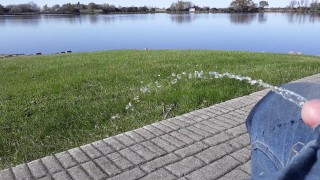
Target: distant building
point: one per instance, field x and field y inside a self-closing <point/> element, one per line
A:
<point x="192" y="9"/>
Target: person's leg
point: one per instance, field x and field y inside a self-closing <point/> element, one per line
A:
<point x="277" y="131"/>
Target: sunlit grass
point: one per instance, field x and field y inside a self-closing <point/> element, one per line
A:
<point x="56" y="102"/>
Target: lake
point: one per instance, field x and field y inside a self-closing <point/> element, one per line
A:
<point x="259" y="32"/>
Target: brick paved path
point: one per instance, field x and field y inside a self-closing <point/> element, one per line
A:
<point x="211" y="143"/>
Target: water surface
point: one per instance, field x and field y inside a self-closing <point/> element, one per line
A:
<point x="260" y="32"/>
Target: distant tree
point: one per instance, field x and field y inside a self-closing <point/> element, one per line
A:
<point x="91" y="7"/>
<point x="1" y="9"/>
<point x="293" y="4"/>
<point x="263" y="4"/>
<point x="181" y="6"/>
<point x="45" y="8"/>
<point x="143" y="9"/>
<point x="69" y="8"/>
<point x="242" y="5"/>
<point x="152" y="10"/>
<point x="132" y="9"/>
<point x="107" y="8"/>
<point x="315" y="6"/>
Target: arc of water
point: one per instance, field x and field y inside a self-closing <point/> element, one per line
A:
<point x="285" y="93"/>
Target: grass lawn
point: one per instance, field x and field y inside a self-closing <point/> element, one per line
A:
<point x="53" y="103"/>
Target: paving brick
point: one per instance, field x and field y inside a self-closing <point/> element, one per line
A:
<point x="215" y="169"/>
<point x="206" y="128"/>
<point x="79" y="155"/>
<point x="238" y="130"/>
<point x="190" y="134"/>
<point x="213" y="153"/>
<point x="37" y="169"/>
<point x="144" y="133"/>
<point x="154" y="148"/>
<point x="220" y="123"/>
<point x="103" y="147"/>
<point x="179" y="122"/>
<point x="159" y="162"/>
<point x="243" y="155"/>
<point x="163" y="127"/>
<point x="224" y="107"/>
<point x="132" y="174"/>
<point x="107" y="166"/>
<point x="217" y="139"/>
<point x="6" y="175"/>
<point x="202" y="116"/>
<point x="240" y="142"/>
<point x="218" y="109"/>
<point x="213" y="110"/>
<point x="115" y="144"/>
<point x="66" y="160"/>
<point x="246" y="167"/>
<point x="124" y="139"/>
<point x="191" y="149"/>
<point x="160" y="174"/>
<point x="131" y="156"/>
<point x="93" y="170"/>
<point x="47" y="177"/>
<point x="135" y="136"/>
<point x="234" y="175"/>
<point x="143" y="152"/>
<point x="198" y="131"/>
<point x="164" y="144"/>
<point x="154" y="130"/>
<point x="235" y="118"/>
<point x="182" y="137"/>
<point x="21" y="172"/>
<point x="170" y="124"/>
<point x="213" y="125"/>
<point x="91" y="151"/>
<point x="186" y="119"/>
<point x="183" y="178"/>
<point x="52" y="164"/>
<point x="207" y="112"/>
<point x="62" y="175"/>
<point x="225" y="119"/>
<point x="78" y="173"/>
<point x="173" y="140"/>
<point x="120" y="161"/>
<point x="184" y="166"/>
<point x="193" y="117"/>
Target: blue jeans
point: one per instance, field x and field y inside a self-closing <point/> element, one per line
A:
<point x="283" y="147"/>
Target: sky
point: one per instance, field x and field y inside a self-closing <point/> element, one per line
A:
<point x="154" y="3"/>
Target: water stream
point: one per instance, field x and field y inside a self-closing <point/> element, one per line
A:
<point x="285" y="93"/>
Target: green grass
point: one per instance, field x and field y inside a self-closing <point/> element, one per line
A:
<point x="56" y="102"/>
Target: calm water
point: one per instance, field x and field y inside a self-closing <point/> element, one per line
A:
<point x="269" y="32"/>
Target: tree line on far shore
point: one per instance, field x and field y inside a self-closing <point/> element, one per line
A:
<point x="179" y="6"/>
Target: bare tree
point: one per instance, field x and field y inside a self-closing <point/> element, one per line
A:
<point x="263" y="4"/>
<point x="293" y="3"/>
<point x="242" y="5"/>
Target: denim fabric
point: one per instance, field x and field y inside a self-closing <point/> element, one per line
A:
<point x="279" y="137"/>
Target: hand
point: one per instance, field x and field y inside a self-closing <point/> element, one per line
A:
<point x="310" y="113"/>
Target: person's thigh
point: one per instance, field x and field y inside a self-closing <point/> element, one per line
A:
<point x="276" y="129"/>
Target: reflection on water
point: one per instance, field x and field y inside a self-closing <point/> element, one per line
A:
<point x="243" y="18"/>
<point x="26" y="21"/>
<point x="182" y="18"/>
<point x="56" y="33"/>
<point x="237" y="19"/>
<point x="302" y="18"/>
<point x="262" y="18"/>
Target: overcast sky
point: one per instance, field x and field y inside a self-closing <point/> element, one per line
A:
<point x="155" y="3"/>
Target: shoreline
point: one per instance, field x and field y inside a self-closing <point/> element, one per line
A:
<point x="227" y="11"/>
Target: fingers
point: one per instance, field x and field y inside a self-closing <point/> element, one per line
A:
<point x="310" y="113"/>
